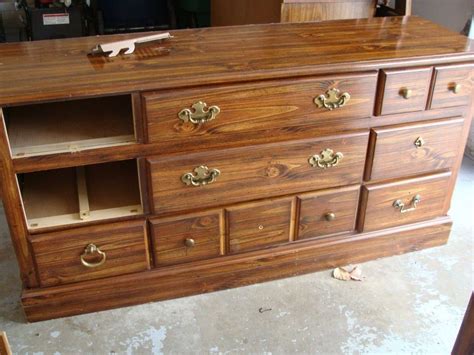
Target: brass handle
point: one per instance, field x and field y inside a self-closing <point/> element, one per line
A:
<point x="92" y="249"/>
<point x="332" y="100"/>
<point x="189" y="243"/>
<point x="199" y="113"/>
<point x="326" y="159"/>
<point x="202" y="176"/>
<point x="406" y="93"/>
<point x="419" y="142"/>
<point x="400" y="205"/>
<point x="330" y="216"/>
<point x="456" y="88"/>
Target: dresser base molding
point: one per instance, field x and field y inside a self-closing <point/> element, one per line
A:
<point x="232" y="271"/>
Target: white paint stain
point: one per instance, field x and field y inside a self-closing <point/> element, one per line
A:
<point x="55" y="334"/>
<point x="151" y="337"/>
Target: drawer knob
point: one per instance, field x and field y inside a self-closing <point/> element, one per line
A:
<point x="189" y="243"/>
<point x="199" y="113"/>
<point x="419" y="142"/>
<point x="330" y="216"/>
<point x="201" y="176"/>
<point x="332" y="100"/>
<point x="90" y="250"/>
<point x="400" y="205"/>
<point x="457" y="88"/>
<point x="406" y="93"/>
<point x="326" y="159"/>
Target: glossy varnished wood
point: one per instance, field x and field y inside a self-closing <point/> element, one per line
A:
<point x="57" y="255"/>
<point x="255" y="172"/>
<point x="234" y="271"/>
<point x="258" y="110"/>
<point x="377" y="201"/>
<point x="395" y="153"/>
<point x="208" y="56"/>
<point x="315" y="208"/>
<point x="445" y="80"/>
<point x="170" y="235"/>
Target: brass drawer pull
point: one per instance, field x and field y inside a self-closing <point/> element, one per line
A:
<point x="400" y="205"/>
<point x="92" y="249"/>
<point x="330" y="216"/>
<point x="419" y="142"/>
<point x="406" y="93"/>
<point x="199" y="113"/>
<point x="326" y="159"/>
<point x="331" y="100"/>
<point x="202" y="176"/>
<point x="189" y="243"/>
<point x="456" y="88"/>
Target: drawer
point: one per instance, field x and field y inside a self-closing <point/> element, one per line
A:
<point x="453" y="86"/>
<point x="403" y="91"/>
<point x="258" y="225"/>
<point x="256" y="111"/>
<point x="328" y="212"/>
<point x="196" y="181"/>
<point x="90" y="253"/>
<point x="189" y="238"/>
<point x="403" y="202"/>
<point x="414" y="149"/>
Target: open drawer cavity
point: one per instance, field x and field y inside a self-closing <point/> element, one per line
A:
<point x="69" y="126"/>
<point x="82" y="194"/>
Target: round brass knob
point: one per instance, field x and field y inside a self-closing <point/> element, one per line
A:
<point x="330" y="216"/>
<point x="189" y="242"/>
<point x="406" y="93"/>
<point x="457" y="88"/>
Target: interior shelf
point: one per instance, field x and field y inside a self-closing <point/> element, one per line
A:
<point x="69" y="126"/>
<point x="77" y="195"/>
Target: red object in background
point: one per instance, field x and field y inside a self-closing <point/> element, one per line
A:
<point x="46" y="2"/>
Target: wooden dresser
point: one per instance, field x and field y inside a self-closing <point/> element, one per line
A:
<point x="227" y="156"/>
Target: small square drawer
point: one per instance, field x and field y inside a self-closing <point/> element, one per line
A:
<point x="91" y="252"/>
<point x="414" y="149"/>
<point x="453" y="86"/>
<point x="258" y="225"/>
<point x="328" y="212"/>
<point x="403" y="202"/>
<point x="403" y="91"/>
<point x="183" y="239"/>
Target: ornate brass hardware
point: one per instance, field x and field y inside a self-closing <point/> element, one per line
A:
<point x="330" y="216"/>
<point x="400" y="205"/>
<point x="199" y="113"/>
<point x="406" y="93"/>
<point x="189" y="243"/>
<point x="202" y="176"/>
<point x="92" y="249"/>
<point x="326" y="159"/>
<point x="457" y="88"/>
<point x="419" y="142"/>
<point x="331" y="100"/>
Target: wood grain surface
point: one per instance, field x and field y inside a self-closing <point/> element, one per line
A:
<point x="223" y="54"/>
<point x="57" y="254"/>
<point x="445" y="79"/>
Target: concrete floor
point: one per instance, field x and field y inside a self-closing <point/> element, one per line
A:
<point x="407" y="304"/>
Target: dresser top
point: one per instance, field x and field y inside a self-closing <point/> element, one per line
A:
<point x="60" y="69"/>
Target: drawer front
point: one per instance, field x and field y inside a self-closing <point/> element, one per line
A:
<point x="200" y="180"/>
<point x="453" y="86"/>
<point x="403" y="202"/>
<point x="189" y="238"/>
<point x="414" y="149"/>
<point x="257" y="111"/>
<point x="328" y="212"/>
<point x="403" y="91"/>
<point x="258" y="225"/>
<point x="90" y="253"/>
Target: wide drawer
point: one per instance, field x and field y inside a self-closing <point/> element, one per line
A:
<point x="453" y="86"/>
<point x="403" y="202"/>
<point x="200" y="180"/>
<point x="328" y="212"/>
<point x="414" y="149"/>
<point x="257" y="111"/>
<point x="91" y="252"/>
<point x="257" y="225"/>
<point x="183" y="239"/>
